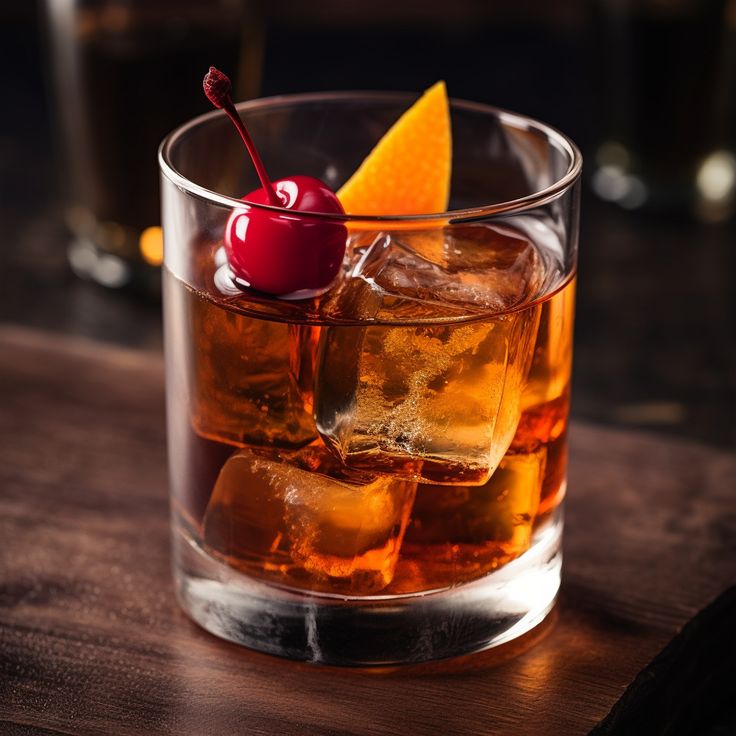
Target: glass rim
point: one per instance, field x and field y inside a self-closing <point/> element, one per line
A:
<point x="517" y="120"/>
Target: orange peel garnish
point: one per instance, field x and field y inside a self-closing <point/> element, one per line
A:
<point x="408" y="172"/>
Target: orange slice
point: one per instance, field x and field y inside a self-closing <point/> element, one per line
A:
<point x="408" y="172"/>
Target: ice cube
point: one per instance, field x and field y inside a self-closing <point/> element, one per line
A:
<point x="545" y="426"/>
<point x="241" y="387"/>
<point x="437" y="402"/>
<point x="302" y="519"/>
<point x="346" y="527"/>
<point x="442" y="274"/>
<point x="355" y="297"/>
<point x="459" y="533"/>
<point x="541" y="424"/>
<point x="474" y="267"/>
<point x="244" y="521"/>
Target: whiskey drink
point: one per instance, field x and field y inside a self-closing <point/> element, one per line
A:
<point x="372" y="446"/>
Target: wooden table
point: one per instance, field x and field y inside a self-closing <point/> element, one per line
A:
<point x="92" y="640"/>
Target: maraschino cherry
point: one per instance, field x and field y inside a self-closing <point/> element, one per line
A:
<point x="278" y="252"/>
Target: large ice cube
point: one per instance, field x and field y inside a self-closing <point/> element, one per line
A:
<point x="438" y="402"/>
<point x="241" y="387"/>
<point x="302" y="519"/>
<point x="459" y="533"/>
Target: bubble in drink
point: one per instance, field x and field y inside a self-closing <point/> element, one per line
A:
<point x="300" y="518"/>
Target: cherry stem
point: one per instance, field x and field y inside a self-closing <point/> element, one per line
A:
<point x="217" y="87"/>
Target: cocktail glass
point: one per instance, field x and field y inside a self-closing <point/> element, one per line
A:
<point x="374" y="474"/>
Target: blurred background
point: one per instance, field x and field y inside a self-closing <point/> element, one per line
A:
<point x="647" y="88"/>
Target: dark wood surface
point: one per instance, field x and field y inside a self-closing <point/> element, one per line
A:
<point x="689" y="689"/>
<point x="92" y="640"/>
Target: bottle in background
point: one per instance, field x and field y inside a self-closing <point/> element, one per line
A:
<point x="110" y="59"/>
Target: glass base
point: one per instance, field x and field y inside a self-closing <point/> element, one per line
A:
<point x="380" y="630"/>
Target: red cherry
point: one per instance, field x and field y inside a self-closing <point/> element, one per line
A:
<point x="272" y="251"/>
<point x="281" y="253"/>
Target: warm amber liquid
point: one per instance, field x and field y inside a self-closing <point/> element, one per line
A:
<point x="366" y="459"/>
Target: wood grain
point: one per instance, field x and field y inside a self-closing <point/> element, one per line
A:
<point x="92" y="640"/>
